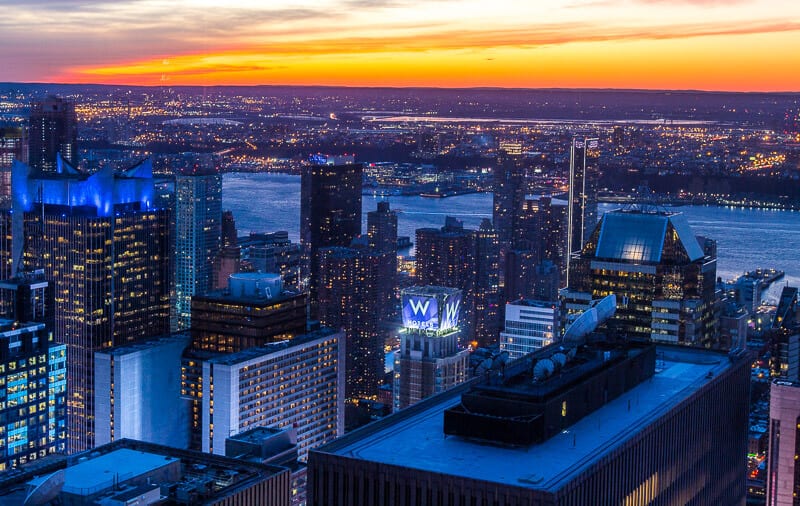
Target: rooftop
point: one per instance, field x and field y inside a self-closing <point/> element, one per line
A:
<point x="415" y="438"/>
<point x="102" y="472"/>
<point x="251" y="353"/>
<point x="639" y="236"/>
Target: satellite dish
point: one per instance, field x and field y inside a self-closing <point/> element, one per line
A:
<point x="543" y="369"/>
<point x="484" y="366"/>
<point x="501" y="359"/>
<point x="606" y="308"/>
<point x="45" y="489"/>
<point x="559" y="359"/>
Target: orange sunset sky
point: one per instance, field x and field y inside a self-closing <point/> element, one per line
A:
<point x="738" y="45"/>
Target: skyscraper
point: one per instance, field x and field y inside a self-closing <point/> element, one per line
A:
<point x="13" y="146"/>
<point x="487" y="284"/>
<point x="603" y="427"/>
<point x="446" y="257"/>
<point x="348" y="299"/>
<point x="510" y="188"/>
<point x="330" y="212"/>
<point x="663" y="281"/>
<point x="106" y="251"/>
<point x="582" y="200"/>
<point x="382" y="239"/>
<point x="430" y="359"/>
<point x="530" y="325"/>
<point x="33" y="372"/>
<point x="53" y="131"/>
<point x="198" y="229"/>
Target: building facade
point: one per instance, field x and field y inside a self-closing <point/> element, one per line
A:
<point x="137" y="393"/>
<point x="653" y="438"/>
<point x="106" y="251"/>
<point x="783" y="469"/>
<point x="430" y="360"/>
<point x="296" y="383"/>
<point x="198" y="231"/>
<point x="53" y="132"/>
<point x="530" y="325"/>
<point x="330" y="214"/>
<point x="382" y="238"/>
<point x="584" y="177"/>
<point x="653" y="263"/>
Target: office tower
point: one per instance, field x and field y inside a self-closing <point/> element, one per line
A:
<point x="133" y="472"/>
<point x="137" y="393"/>
<point x="652" y="262"/>
<point x="530" y="325"/>
<point x="53" y="132"/>
<point x="510" y="188"/>
<point x="295" y="383"/>
<point x="487" y="284"/>
<point x="13" y="146"/>
<point x="198" y="230"/>
<point x="783" y="468"/>
<point x="33" y="372"/>
<point x="253" y="311"/>
<point x="382" y="238"/>
<point x="106" y="251"/>
<point x="348" y="299"/>
<point x="446" y="257"/>
<point x="330" y="214"/>
<point x="430" y="360"/>
<point x="582" y="200"/>
<point x="539" y="243"/>
<point x="228" y="229"/>
<point x="605" y="427"/>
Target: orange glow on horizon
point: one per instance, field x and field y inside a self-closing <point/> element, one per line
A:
<point x="764" y="62"/>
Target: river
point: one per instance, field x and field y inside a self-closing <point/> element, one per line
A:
<point x="746" y="238"/>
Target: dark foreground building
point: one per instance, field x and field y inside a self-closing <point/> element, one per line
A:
<point x="596" y="424"/>
<point x="128" y="472"/>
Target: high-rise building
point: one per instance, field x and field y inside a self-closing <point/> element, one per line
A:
<point x="13" y="146"/>
<point x="539" y="241"/>
<point x="348" y="299"/>
<point x="582" y="200"/>
<point x="137" y="393"/>
<point x="274" y="252"/>
<point x="53" y="132"/>
<point x="106" y="251"/>
<point x="253" y="311"/>
<point x="663" y="281"/>
<point x="296" y="383"/>
<point x="595" y="424"/>
<point x="446" y="257"/>
<point x="33" y="373"/>
<point x="783" y="467"/>
<point x="510" y="188"/>
<point x="382" y="238"/>
<point x="487" y="284"/>
<point x="330" y="214"/>
<point x="198" y="229"/>
<point x="530" y="325"/>
<point x="430" y="359"/>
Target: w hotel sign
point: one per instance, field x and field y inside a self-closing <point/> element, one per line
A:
<point x="431" y="308"/>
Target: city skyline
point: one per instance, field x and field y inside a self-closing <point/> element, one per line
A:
<point x="645" y="44"/>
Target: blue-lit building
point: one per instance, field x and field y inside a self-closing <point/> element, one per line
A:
<point x="105" y="248"/>
<point x="33" y="385"/>
<point x="198" y="236"/>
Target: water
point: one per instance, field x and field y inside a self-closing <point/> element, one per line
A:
<point x="746" y="238"/>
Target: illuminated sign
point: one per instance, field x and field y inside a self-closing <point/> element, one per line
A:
<point x="431" y="311"/>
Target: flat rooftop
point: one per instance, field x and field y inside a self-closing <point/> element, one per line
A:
<point x="415" y="438"/>
<point x="101" y="472"/>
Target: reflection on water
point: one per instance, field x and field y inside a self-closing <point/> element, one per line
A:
<point x="746" y="238"/>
